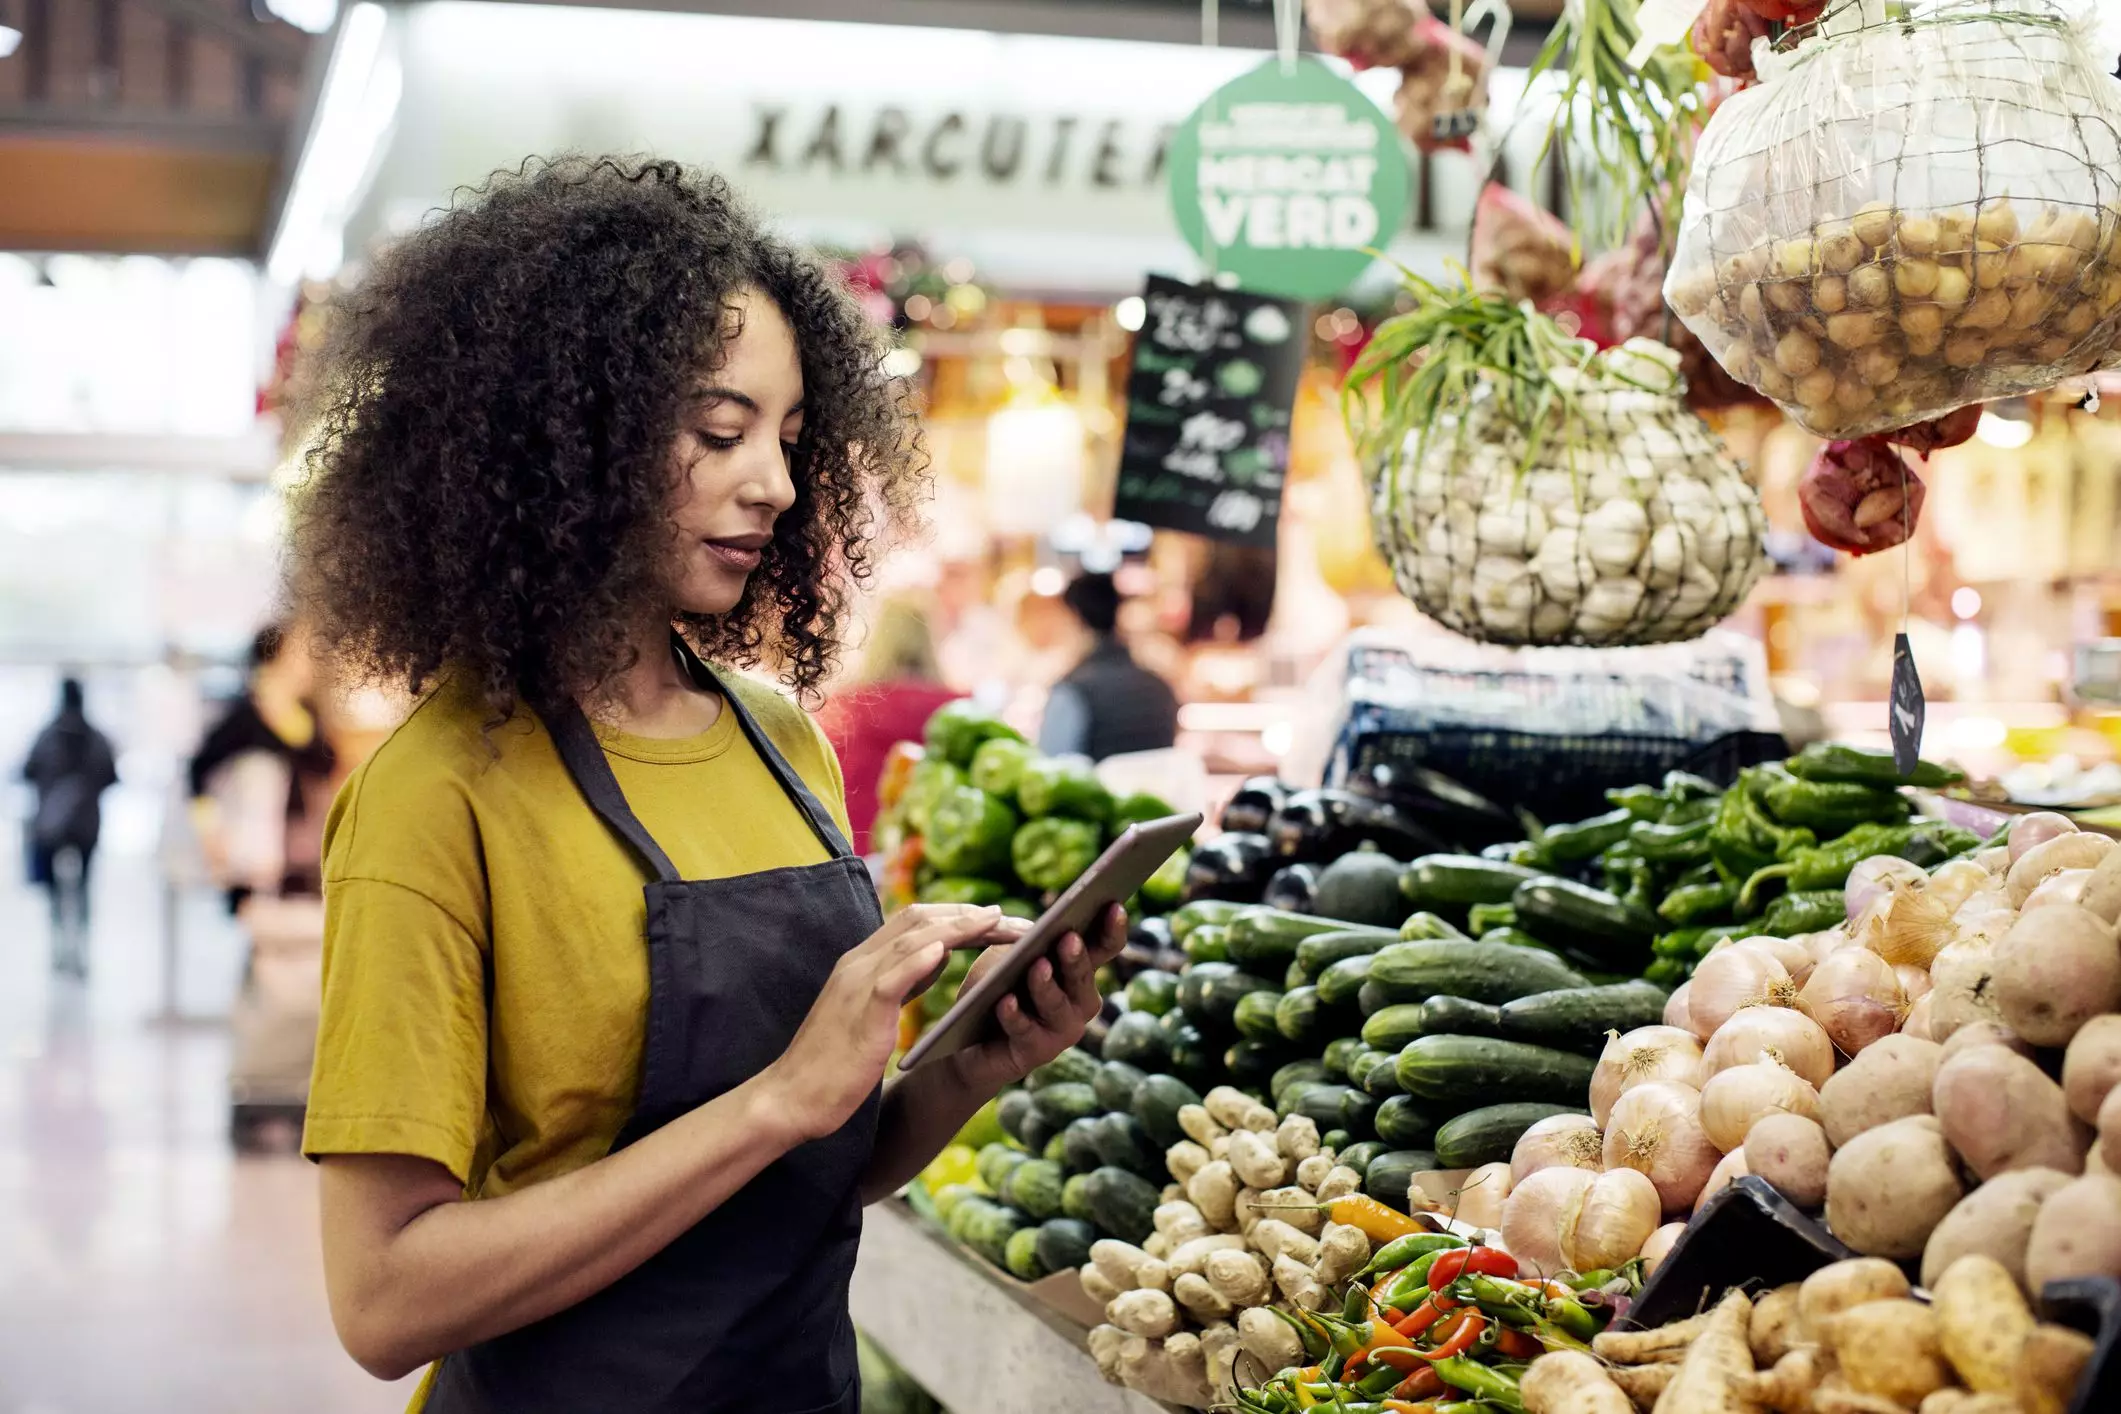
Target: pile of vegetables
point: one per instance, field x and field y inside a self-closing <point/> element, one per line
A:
<point x="1850" y="1339"/>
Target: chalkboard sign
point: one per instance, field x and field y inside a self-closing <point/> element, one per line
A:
<point x="1208" y="404"/>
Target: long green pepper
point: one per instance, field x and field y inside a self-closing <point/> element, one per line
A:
<point x="1402" y="1250"/>
<point x="1465" y="1373"/>
<point x="1690" y="903"/>
<point x="1831" y="761"/>
<point x="1686" y="844"/>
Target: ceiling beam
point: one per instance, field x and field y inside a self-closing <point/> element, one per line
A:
<point x="273" y="41"/>
<point x="144" y="127"/>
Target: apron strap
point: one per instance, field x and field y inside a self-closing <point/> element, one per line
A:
<point x="584" y="758"/>
<point x="821" y="822"/>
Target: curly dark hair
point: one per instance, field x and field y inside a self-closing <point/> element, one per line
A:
<point x="488" y="487"/>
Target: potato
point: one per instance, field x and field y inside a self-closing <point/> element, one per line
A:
<point x="1790" y="1152"/>
<point x="1831" y="1290"/>
<point x="1982" y="1320"/>
<point x="1890" y="1348"/>
<point x="1889" y="1079"/>
<point x="2102" y="891"/>
<point x="1775" y="1326"/>
<point x="1994" y="1221"/>
<point x="2056" y="969"/>
<point x="2049" y="1364"/>
<point x="1962" y="988"/>
<point x="2001" y="1112"/>
<point x="2110" y="1132"/>
<point x="1985" y="1033"/>
<point x="2077" y="1234"/>
<point x="2092" y="1065"/>
<point x="1567" y="1382"/>
<point x="1890" y="1186"/>
<point x="2073" y="849"/>
<point x="1965" y="1401"/>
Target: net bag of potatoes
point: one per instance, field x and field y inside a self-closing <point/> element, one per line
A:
<point x="1616" y="518"/>
<point x="1908" y="216"/>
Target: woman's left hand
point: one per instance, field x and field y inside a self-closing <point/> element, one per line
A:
<point x="1064" y="999"/>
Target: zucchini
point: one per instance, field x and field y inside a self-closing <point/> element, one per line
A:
<point x="1064" y="1243"/>
<point x="1374" y="996"/>
<point x="1116" y="1081"/>
<point x="1202" y="912"/>
<point x="1079" y="1148"/>
<point x="1251" y="1064"/>
<point x="1448" y="885"/>
<point x="1394" y="1026"/>
<point x="1296" y="1015"/>
<point x="1136" y="1039"/>
<point x="1389" y="1176"/>
<point x="1152" y="991"/>
<point x="986" y="1228"/>
<point x="1121" y="1141"/>
<point x="1122" y="1203"/>
<point x="1476" y="1070"/>
<point x="1578" y="1018"/>
<point x="1072" y="1064"/>
<point x="1254" y="1016"/>
<point x="1333" y="1139"/>
<point x="1064" y="1101"/>
<point x="1157" y="1101"/>
<point x="1428" y="925"/>
<point x="1295" y="1073"/>
<point x="1056" y="1151"/>
<point x="1487" y="1135"/>
<point x="1335" y="1107"/>
<point x="1294" y="976"/>
<point x="1267" y="937"/>
<point x="1402" y="1123"/>
<point x="1455" y="1016"/>
<point x="1039" y="1131"/>
<point x="1321" y="950"/>
<point x="1478" y="971"/>
<point x="1591" y="921"/>
<point x="1338" y="1053"/>
<point x="1338" y="984"/>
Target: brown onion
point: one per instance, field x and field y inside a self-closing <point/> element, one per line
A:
<point x="1778" y="1033"/>
<point x="1535" y="1214"/>
<point x="1646" y="1054"/>
<point x="1660" y="1245"/>
<point x="1728" y="979"/>
<point x="1869" y="880"/>
<point x="1794" y="954"/>
<point x="1733" y="1099"/>
<point x="1558" y="1141"/>
<point x="2037" y="829"/>
<point x="1855" y="998"/>
<point x="2064" y="887"/>
<point x="1917" y="1023"/>
<point x="1675" y="1010"/>
<point x="1615" y="1216"/>
<point x="1656" y="1128"/>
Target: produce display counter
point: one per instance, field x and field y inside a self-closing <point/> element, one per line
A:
<point x="969" y="1337"/>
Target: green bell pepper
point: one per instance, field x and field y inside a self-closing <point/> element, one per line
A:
<point x="1051" y="854"/>
<point x="953" y="888"/>
<point x="929" y="782"/>
<point x="1678" y="943"/>
<point x="1063" y="785"/>
<point x="939" y="998"/>
<point x="1827" y="807"/>
<point x="1164" y="889"/>
<point x="1138" y="807"/>
<point x="999" y="764"/>
<point x="956" y="730"/>
<point x="969" y="832"/>
<point x="1019" y="908"/>
<point x="1809" y="912"/>
<point x="1665" y="971"/>
<point x="1831" y="761"/>
<point x="1743" y="839"/>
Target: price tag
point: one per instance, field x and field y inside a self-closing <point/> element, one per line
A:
<point x="1662" y="22"/>
<point x="1906" y="708"/>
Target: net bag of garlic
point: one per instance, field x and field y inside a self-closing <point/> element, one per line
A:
<point x="1527" y="489"/>
<point x="1905" y="217"/>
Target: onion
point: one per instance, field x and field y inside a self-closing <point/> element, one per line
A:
<point x="1481" y="1195"/>
<point x="2076" y="850"/>
<point x="1996" y="861"/>
<point x="1659" y="1246"/>
<point x="1909" y="923"/>
<point x="2037" y="829"/>
<point x="1777" y="1033"/>
<point x="1722" y="1176"/>
<point x="1793" y="953"/>
<point x="1675" y="1009"/>
<point x="1558" y="1141"/>
<point x="1917" y="1024"/>
<point x="1855" y="998"/>
<point x="1736" y="1097"/>
<point x="1644" y="1055"/>
<point x="1656" y="1128"/>
<point x="1535" y="1214"/>
<point x="1728" y="980"/>
<point x="2065" y="887"/>
<point x="1617" y="1214"/>
<point x="1868" y="881"/>
<point x="1914" y="982"/>
<point x="1958" y="880"/>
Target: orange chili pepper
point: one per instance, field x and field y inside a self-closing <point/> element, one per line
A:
<point x="1382" y="1338"/>
<point x="1518" y="1346"/>
<point x="1460" y="1336"/>
<point x="1425" y="1315"/>
<point x="1377" y="1222"/>
<point x="1384" y="1312"/>
<point x="1422" y="1383"/>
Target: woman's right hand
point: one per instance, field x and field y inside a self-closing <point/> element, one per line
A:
<point x="839" y="1053"/>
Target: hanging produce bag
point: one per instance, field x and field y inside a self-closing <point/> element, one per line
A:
<point x="1624" y="299"/>
<point x="1518" y="250"/>
<point x="1367" y="33"/>
<point x="1860" y="496"/>
<point x="1446" y="73"/>
<point x="1910" y="217"/>
<point x="1528" y="490"/>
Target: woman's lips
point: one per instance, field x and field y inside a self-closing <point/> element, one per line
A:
<point x="736" y="556"/>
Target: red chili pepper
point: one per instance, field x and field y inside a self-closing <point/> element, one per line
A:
<point x="1455" y="1263"/>
<point x="1424" y="1315"/>
<point x="1461" y="1337"/>
<point x="1516" y="1345"/>
<point x="1423" y="1383"/>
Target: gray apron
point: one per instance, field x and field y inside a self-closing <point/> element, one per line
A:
<point x="747" y="1309"/>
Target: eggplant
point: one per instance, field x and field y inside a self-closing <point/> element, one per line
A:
<point x="1233" y="866"/>
<point x="1254" y="805"/>
<point x="1461" y="815"/>
<point x="1150" y="933"/>
<point x="1322" y="825"/>
<point x="1292" y="888"/>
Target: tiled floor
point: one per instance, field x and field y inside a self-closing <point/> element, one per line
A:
<point x="144" y="1267"/>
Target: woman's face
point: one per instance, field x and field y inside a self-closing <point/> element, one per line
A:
<point x="735" y="453"/>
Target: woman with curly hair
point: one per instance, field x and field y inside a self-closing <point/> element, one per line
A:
<point x="607" y="998"/>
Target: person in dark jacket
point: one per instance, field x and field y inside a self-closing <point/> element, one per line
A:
<point x="70" y="765"/>
<point x="1108" y="704"/>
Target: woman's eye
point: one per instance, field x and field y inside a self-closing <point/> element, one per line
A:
<point x="721" y="444"/>
<point x="791" y="449"/>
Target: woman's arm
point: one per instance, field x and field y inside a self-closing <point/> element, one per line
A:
<point x="414" y="1272"/>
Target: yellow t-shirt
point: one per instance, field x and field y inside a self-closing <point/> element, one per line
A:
<point x="485" y="968"/>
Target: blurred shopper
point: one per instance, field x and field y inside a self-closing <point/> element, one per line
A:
<point x="608" y="999"/>
<point x="70" y="765"/>
<point x="1108" y="704"/>
<point x="893" y="692"/>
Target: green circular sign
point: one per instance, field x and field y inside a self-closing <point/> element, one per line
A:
<point x="1285" y="176"/>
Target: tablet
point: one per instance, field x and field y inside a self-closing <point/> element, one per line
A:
<point x="1124" y="867"/>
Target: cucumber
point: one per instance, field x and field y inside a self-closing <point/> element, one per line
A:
<point x="1402" y="1123"/>
<point x="1121" y="1141"/>
<point x="1195" y="1060"/>
<point x="1268" y="938"/>
<point x="1064" y="1243"/>
<point x="1296" y="1015"/>
<point x="1254" y="1017"/>
<point x="1152" y="991"/>
<point x="1010" y="1112"/>
<point x="1295" y="1073"/>
<point x="1334" y="1139"/>
<point x="1389" y="1177"/>
<point x="1578" y="1018"/>
<point x="1157" y="1102"/>
<point x="1136" y="1039"/>
<point x="1056" y="1151"/>
<point x="1203" y="912"/>
<point x="1075" y="1198"/>
<point x="1063" y="1101"/>
<point x="1448" y="885"/>
<point x="1338" y="984"/>
<point x="1475" y="1070"/>
<point x="1487" y="1135"/>
<point x="1338" y="1053"/>
<point x="1428" y="925"/>
<point x="1208" y="943"/>
<point x="1591" y="921"/>
<point x="1379" y="1078"/>
<point x="1358" y="1156"/>
<point x="1394" y="1026"/>
<point x="1079" y="1150"/>
<point x="1335" y="1107"/>
<point x="1480" y="972"/>
<point x="995" y="1163"/>
<point x="1072" y="1064"/>
<point x="1321" y="950"/>
<point x="1122" y="1204"/>
<point x="1021" y="1257"/>
<point x="1294" y="976"/>
<point x="1116" y="1081"/>
<point x="986" y="1228"/>
<point x="1034" y="1188"/>
<point x="1251" y="1064"/>
<point x="1374" y="996"/>
<point x="1455" y="1016"/>
<point x="1361" y="887"/>
<point x="1208" y="993"/>
<point x="1039" y="1131"/>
